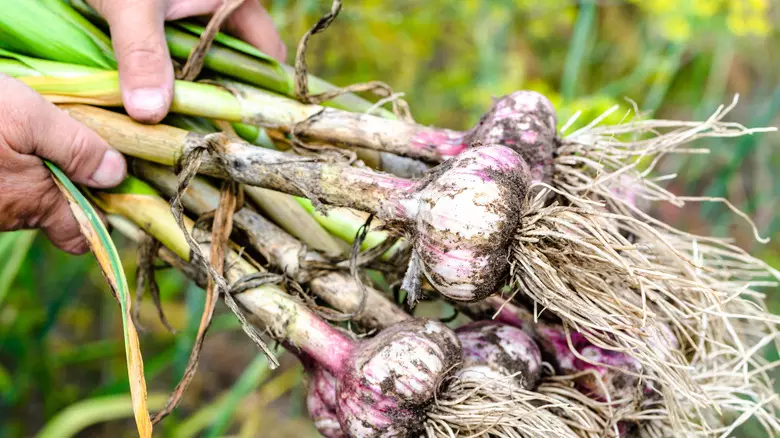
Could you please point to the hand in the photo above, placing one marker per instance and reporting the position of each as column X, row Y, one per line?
column 145, row 69
column 31, row 127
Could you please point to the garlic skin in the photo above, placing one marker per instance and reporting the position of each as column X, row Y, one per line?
column 495, row 350
column 466, row 215
column 524, row 121
column 321, row 403
column 392, row 378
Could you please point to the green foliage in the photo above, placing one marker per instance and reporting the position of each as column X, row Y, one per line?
column 35, row 28
column 60, row 330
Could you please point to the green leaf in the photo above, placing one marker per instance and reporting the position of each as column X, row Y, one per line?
column 101, row 40
column 220, row 410
column 228, row 41
column 13, row 250
column 133, row 186
column 255, row 374
column 83, row 414
column 15, row 68
column 6, row 382
column 577, row 49
column 44, row 67
column 110, row 263
column 31, row 28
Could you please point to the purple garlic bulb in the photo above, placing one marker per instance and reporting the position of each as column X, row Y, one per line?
column 493, row 349
column 524, row 121
column 621, row 381
column 321, row 403
column 390, row 380
column 466, row 214
column 617, row 384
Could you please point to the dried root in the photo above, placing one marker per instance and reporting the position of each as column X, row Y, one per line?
column 496, row 408
column 597, row 260
column 573, row 261
column 592, row 418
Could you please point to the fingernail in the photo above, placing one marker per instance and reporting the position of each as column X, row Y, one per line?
column 149, row 100
column 111, row 170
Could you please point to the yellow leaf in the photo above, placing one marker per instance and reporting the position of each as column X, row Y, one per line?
column 110, row 264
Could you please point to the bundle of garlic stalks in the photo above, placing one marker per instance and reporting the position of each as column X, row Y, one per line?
column 590, row 316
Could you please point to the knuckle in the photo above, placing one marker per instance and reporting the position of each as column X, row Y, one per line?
column 144, row 56
column 75, row 245
column 81, row 152
column 16, row 106
column 27, row 199
column 14, row 208
column 48, row 209
column 60, row 226
column 178, row 9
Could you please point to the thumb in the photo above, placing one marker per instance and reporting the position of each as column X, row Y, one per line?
column 37, row 127
column 145, row 68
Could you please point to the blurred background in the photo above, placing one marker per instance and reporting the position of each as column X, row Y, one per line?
column 61, row 350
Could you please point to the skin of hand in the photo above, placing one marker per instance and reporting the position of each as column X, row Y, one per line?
column 138, row 38
column 32, row 129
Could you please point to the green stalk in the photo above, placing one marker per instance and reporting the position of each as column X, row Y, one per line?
column 250, row 105
column 254, row 134
column 29, row 66
column 288, row 214
column 283, row 209
column 345, row 224
column 81, row 415
column 281, row 250
column 268, row 306
column 189, row 98
column 14, row 68
column 63, row 82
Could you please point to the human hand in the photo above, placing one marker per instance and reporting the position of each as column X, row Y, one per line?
column 145, row 69
column 32, row 128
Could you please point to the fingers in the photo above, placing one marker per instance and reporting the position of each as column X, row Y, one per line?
column 138, row 37
column 61, row 227
column 34, row 126
column 145, row 68
column 29, row 198
column 178, row 9
column 252, row 23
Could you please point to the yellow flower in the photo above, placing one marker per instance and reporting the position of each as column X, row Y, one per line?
column 706, row 8
column 757, row 25
column 660, row 6
column 736, row 24
column 676, row 28
column 759, row 5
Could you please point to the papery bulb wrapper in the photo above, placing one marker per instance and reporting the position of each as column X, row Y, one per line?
column 524, row 121
column 391, row 379
column 321, row 403
column 500, row 349
column 467, row 214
